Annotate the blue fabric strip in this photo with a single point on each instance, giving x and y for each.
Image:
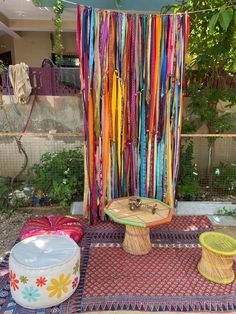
(91, 47)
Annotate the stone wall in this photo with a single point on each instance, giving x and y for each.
(58, 114)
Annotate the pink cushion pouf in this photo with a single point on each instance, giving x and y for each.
(59, 225)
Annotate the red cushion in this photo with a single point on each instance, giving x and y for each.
(52, 225)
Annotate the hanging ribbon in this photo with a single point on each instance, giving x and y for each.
(132, 74)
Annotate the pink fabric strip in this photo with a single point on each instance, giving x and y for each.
(133, 105)
(170, 45)
(153, 91)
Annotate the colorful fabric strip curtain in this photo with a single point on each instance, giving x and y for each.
(132, 73)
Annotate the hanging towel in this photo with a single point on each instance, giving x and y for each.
(19, 77)
(70, 77)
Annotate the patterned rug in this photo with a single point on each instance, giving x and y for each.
(164, 280)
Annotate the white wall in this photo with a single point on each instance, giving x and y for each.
(33, 47)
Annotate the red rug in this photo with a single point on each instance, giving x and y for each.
(164, 280)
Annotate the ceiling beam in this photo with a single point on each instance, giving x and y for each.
(4, 26)
(40, 25)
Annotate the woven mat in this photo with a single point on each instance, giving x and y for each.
(164, 280)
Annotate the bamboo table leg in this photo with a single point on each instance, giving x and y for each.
(137, 240)
(215, 267)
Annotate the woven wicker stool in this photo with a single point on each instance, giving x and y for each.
(216, 263)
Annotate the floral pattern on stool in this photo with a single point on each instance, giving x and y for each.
(36, 285)
(59, 286)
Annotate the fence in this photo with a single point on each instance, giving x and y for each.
(205, 174)
(208, 167)
(207, 161)
(42, 169)
(44, 81)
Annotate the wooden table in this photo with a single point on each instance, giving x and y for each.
(138, 222)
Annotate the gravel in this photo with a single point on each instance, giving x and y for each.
(10, 225)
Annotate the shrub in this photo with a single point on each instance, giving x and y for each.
(4, 192)
(60, 176)
(188, 184)
(224, 177)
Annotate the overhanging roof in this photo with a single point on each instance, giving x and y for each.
(138, 5)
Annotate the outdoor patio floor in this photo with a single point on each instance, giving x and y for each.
(18, 218)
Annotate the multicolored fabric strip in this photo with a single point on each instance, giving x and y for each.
(132, 72)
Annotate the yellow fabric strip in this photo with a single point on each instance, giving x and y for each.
(119, 125)
(169, 154)
(86, 185)
(113, 104)
(106, 139)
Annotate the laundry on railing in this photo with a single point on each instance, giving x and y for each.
(19, 77)
(44, 81)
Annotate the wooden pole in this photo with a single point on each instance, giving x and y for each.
(41, 134)
(208, 135)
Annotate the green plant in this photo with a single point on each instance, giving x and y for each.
(188, 184)
(211, 57)
(57, 38)
(37, 3)
(4, 195)
(190, 190)
(2, 67)
(227, 212)
(60, 176)
(224, 177)
(16, 202)
(225, 16)
(58, 47)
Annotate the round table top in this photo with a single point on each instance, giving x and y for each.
(218, 243)
(44, 251)
(118, 210)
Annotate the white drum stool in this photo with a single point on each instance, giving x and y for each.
(44, 270)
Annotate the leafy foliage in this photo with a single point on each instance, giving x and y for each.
(57, 38)
(204, 107)
(226, 212)
(224, 16)
(58, 47)
(224, 177)
(37, 3)
(188, 185)
(190, 191)
(2, 67)
(211, 47)
(60, 176)
(4, 192)
(211, 57)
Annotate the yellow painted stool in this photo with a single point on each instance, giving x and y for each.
(216, 263)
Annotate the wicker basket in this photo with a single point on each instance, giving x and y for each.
(216, 262)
